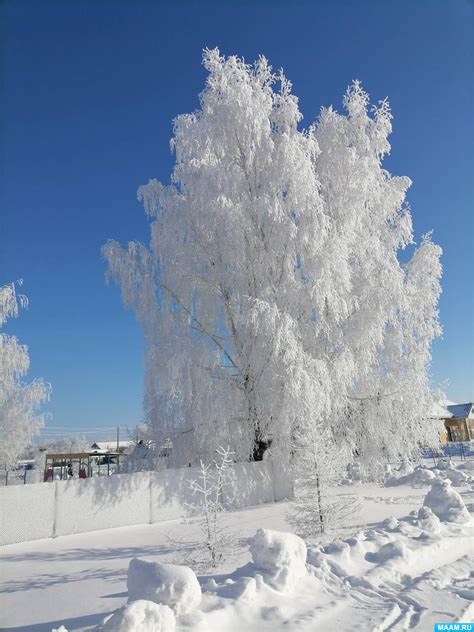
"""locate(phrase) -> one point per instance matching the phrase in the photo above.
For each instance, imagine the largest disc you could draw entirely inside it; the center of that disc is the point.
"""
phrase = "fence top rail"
(64, 456)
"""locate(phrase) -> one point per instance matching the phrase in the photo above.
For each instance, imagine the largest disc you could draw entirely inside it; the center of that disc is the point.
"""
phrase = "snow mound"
(141, 616)
(405, 468)
(174, 586)
(419, 476)
(427, 520)
(61, 629)
(280, 556)
(446, 503)
(444, 464)
(467, 465)
(457, 477)
(338, 549)
(391, 524)
(389, 551)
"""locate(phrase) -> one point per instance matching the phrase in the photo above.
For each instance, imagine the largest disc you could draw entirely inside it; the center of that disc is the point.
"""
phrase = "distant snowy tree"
(271, 296)
(64, 445)
(142, 458)
(19, 402)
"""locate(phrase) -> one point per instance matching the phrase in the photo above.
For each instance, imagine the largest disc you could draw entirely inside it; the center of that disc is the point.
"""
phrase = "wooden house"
(460, 425)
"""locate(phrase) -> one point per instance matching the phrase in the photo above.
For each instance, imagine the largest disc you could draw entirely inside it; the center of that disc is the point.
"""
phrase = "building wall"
(470, 425)
(43, 510)
(456, 429)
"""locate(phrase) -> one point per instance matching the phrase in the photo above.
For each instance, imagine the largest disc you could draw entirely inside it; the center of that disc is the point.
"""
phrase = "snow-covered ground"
(400, 574)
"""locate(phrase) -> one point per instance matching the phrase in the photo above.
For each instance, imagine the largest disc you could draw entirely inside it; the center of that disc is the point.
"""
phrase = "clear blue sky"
(89, 90)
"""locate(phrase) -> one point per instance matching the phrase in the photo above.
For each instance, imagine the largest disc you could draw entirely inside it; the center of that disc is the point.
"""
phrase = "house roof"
(111, 445)
(440, 412)
(461, 410)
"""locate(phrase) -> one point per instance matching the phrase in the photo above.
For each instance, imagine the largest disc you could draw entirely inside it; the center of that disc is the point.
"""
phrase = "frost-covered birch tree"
(271, 296)
(19, 402)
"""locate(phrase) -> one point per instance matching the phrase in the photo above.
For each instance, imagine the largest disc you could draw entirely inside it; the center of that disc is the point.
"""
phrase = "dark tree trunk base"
(259, 449)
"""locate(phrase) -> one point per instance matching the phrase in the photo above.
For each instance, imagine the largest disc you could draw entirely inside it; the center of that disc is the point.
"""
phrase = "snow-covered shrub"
(168, 584)
(213, 477)
(141, 616)
(141, 458)
(280, 556)
(446, 503)
(61, 629)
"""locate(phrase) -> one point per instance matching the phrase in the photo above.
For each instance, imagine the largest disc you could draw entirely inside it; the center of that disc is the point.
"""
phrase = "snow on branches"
(271, 296)
(19, 402)
(207, 489)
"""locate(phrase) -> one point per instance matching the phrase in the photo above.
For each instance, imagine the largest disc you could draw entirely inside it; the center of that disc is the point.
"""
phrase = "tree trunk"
(260, 444)
(320, 506)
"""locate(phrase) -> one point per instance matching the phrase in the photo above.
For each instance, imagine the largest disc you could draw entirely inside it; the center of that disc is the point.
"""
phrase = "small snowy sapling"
(208, 488)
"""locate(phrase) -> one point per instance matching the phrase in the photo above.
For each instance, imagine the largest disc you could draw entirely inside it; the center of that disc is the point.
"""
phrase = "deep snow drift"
(141, 616)
(398, 565)
(167, 584)
(289, 587)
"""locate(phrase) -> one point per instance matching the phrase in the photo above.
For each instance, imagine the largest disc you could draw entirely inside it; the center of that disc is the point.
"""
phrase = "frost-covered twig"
(213, 477)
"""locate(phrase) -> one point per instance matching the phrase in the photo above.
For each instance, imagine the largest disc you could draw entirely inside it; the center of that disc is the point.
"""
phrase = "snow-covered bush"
(446, 503)
(141, 616)
(141, 458)
(207, 489)
(280, 557)
(167, 584)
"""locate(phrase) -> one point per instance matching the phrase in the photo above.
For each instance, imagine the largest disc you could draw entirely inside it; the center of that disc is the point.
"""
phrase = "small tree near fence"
(318, 470)
(207, 488)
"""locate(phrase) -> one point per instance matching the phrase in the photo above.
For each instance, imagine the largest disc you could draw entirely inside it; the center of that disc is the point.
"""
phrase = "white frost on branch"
(207, 489)
(19, 402)
(271, 295)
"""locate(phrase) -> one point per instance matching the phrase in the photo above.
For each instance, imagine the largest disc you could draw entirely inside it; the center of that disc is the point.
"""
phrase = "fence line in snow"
(44, 510)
